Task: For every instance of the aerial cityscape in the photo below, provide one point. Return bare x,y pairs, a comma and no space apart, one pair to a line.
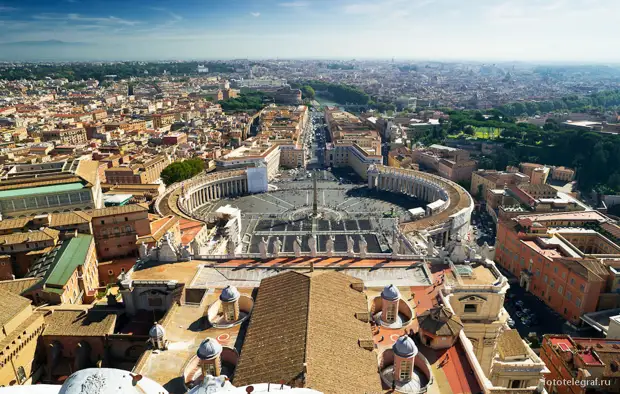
217,199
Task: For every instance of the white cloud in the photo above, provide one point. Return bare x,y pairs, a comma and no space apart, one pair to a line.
110,20
4,8
255,14
294,4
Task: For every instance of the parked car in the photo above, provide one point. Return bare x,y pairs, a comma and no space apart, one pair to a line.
511,323
520,314
519,303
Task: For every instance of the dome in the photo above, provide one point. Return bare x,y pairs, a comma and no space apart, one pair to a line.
109,381
208,349
390,293
157,331
229,294
405,347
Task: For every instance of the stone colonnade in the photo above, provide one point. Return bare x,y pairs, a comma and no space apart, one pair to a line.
424,189
215,190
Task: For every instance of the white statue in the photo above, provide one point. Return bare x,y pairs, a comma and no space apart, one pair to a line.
143,251
297,246
471,252
195,247
330,246
430,247
350,246
395,247
363,247
312,245
277,247
230,248
262,247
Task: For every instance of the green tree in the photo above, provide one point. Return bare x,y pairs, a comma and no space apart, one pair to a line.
182,170
307,92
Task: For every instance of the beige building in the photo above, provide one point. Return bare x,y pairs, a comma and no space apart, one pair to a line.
21,329
475,292
484,180
562,174
140,171
73,136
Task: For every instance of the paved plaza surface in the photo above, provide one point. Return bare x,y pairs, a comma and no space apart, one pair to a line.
346,209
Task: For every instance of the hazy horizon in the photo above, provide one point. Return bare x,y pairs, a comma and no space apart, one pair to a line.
529,31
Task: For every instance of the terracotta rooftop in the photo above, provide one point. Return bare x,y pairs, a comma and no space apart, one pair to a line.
309,319
109,211
79,323
11,305
440,321
18,286
33,236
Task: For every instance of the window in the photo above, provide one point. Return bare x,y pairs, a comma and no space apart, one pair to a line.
560,289
515,384
563,275
555,270
470,308
552,283
537,272
578,302
545,279
404,370
582,288
103,222
126,219
572,281
569,295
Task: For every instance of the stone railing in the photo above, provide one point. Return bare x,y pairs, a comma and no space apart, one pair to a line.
257,256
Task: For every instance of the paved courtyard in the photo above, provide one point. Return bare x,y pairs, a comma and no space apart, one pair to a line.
346,210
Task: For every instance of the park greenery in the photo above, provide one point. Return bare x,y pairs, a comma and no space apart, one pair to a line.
182,170
340,93
99,71
595,156
604,100
307,92
245,102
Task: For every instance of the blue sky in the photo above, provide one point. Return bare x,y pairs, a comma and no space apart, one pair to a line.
529,30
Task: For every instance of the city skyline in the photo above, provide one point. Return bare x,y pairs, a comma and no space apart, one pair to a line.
488,30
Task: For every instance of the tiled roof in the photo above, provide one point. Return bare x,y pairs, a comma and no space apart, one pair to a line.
18,286
109,211
13,224
32,236
510,344
69,218
299,319
10,305
79,323
274,348
440,321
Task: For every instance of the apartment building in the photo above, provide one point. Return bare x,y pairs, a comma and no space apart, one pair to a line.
116,230
69,136
68,273
581,365
146,170
484,180
562,258
451,163
161,120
